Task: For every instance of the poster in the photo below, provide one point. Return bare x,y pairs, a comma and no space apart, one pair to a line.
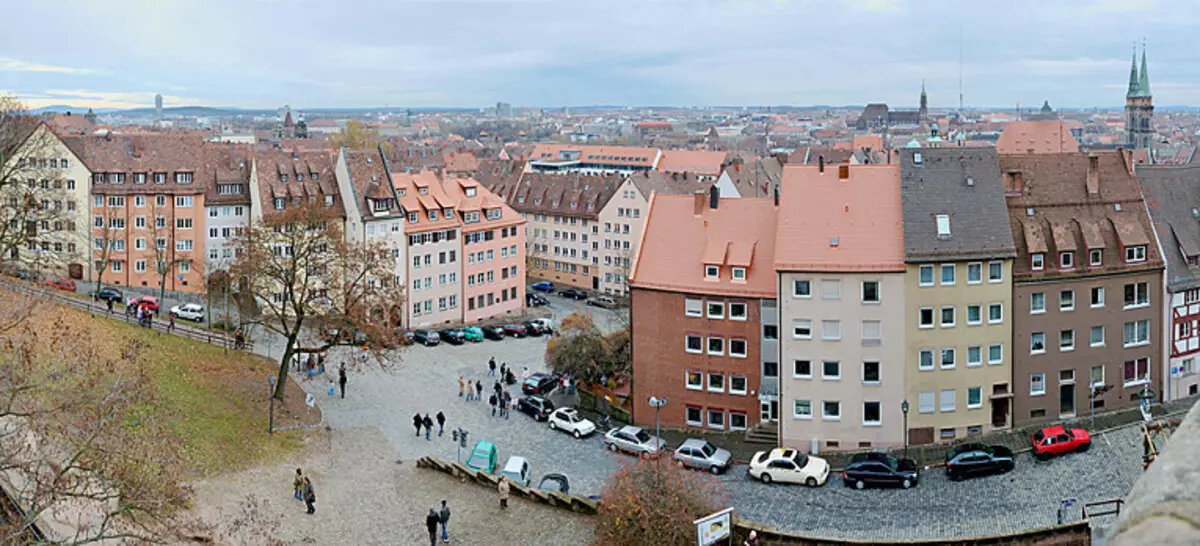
715,528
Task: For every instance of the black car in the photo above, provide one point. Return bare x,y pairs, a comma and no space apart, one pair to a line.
879,469
538,383
536,300
109,294
533,329
535,406
555,483
573,293
493,332
971,460
453,336
427,338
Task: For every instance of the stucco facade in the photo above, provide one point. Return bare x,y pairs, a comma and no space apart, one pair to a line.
560,249
494,267
615,238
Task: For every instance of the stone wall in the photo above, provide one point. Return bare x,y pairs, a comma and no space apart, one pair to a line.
491,481
1071,534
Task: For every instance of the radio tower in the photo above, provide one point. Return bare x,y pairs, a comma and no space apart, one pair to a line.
960,71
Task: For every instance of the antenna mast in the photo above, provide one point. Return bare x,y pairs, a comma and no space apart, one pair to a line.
960,70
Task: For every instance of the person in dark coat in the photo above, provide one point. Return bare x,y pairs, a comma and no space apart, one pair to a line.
492,402
431,524
428,426
503,369
342,379
417,422
441,421
492,366
444,515
310,497
478,390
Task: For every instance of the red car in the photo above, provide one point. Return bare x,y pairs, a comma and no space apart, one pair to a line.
149,302
1057,440
62,283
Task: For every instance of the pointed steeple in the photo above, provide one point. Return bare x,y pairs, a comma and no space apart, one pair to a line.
922,88
1144,80
1133,76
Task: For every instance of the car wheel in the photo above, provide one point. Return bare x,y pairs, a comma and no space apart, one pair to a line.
858,484
811,482
906,484
766,478
680,463
714,469
553,426
612,448
1043,457
643,455
577,435
1085,447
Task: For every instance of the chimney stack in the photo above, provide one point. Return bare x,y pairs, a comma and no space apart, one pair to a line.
136,142
714,197
698,203
776,195
843,172
1093,176
821,164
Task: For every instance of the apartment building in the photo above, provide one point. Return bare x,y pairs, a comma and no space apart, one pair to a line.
615,236
281,180
958,293
148,207
373,215
493,246
839,257
705,165
1087,296
226,204
50,200
592,160
698,285
433,248
1173,198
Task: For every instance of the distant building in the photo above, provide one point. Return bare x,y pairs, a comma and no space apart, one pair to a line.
158,105
877,115
503,109
1036,137
1139,107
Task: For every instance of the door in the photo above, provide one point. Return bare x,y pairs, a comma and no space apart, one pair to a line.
1000,412
1066,399
769,411
595,283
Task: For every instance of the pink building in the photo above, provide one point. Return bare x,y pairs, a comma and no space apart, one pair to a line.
493,248
433,250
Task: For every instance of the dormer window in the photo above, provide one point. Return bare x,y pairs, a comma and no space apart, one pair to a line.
1134,254
400,192
279,203
943,226
1037,261
329,200
282,177
433,215
139,178
918,158
183,178
1066,260
712,272
412,217
493,214
739,273
313,176
1096,256
423,191
537,200
299,177
382,205
447,212
470,192
160,178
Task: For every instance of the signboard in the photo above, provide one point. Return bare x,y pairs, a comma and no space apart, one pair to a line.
310,400
714,528
1067,503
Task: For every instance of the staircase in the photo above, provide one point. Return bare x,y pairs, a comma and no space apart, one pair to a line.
765,432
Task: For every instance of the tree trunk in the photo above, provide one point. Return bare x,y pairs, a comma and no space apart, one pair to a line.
283,370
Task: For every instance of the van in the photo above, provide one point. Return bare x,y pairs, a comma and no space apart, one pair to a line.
517,470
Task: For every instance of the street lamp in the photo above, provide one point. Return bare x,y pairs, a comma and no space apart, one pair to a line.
657,404
904,410
271,411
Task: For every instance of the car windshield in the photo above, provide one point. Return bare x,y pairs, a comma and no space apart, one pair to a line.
891,462
801,460
643,436
708,449
573,417
1037,436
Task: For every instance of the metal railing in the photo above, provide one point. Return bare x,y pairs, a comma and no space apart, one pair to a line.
1110,507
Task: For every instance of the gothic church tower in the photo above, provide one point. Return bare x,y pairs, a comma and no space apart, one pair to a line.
1139,107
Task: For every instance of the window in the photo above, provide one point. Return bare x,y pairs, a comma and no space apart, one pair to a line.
872,414
872,333
926,402
139,222
1066,300
183,223
712,272
139,244
802,369
1037,261
737,311
802,409
1066,340
831,289
737,421
716,418
1037,384
870,291
692,307
995,271
1137,371
995,313
802,289
831,330
185,266
1137,295
695,381
117,266
948,403
831,411
1137,332
1066,260
947,316
1135,253
802,329
770,331
926,278
1097,296
716,382
974,273
1096,339
943,225
975,398
693,343
948,358
947,274
692,416
926,317
1097,375
870,372
716,310
739,273
737,348
831,369
1037,343
183,201
925,361
1037,303
974,315
139,266
737,384
974,356
716,346
1096,256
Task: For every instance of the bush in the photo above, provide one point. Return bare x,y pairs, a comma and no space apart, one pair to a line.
654,502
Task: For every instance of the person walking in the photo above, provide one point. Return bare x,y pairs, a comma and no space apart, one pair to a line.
310,497
342,379
460,386
298,485
431,524
752,540
110,305
417,422
470,389
492,366
441,421
428,426
503,488
171,324
445,517
507,404
503,369
492,402
478,390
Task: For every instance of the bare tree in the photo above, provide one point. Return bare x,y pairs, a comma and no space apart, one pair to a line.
315,289
166,259
107,230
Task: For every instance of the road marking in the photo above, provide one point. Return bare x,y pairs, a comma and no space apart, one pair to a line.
1105,436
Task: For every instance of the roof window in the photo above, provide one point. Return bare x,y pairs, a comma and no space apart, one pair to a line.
943,226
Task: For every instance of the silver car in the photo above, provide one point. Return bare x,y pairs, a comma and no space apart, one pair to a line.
634,440
700,454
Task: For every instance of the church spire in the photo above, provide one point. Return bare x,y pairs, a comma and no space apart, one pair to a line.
1133,76
1144,80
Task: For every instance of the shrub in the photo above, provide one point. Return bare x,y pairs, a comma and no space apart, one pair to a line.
654,502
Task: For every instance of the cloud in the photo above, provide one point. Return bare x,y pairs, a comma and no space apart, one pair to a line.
16,65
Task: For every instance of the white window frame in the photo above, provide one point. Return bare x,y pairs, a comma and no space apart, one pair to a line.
1063,306
687,381
921,359
1037,261
796,410
802,323
978,361
708,377
1136,342
712,272
994,305
1066,260
689,337
1103,336
942,316
825,377
797,284
693,422
1135,254
1066,348
796,365
878,366
995,361
942,269
978,267
745,347
1091,295
708,309
743,316
927,402
932,315
878,292
1096,256
1033,391
978,313
948,395
739,273
1000,278
953,352
745,385
687,305
1137,289
708,346
1033,351
978,404
877,422
921,275
1034,310
826,416
708,415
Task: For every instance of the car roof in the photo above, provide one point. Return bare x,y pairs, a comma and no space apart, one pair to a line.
538,375
1054,430
515,463
631,429
873,456
532,397
568,410
484,444
693,442
963,448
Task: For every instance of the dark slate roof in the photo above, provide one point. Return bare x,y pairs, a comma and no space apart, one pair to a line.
939,185
1173,193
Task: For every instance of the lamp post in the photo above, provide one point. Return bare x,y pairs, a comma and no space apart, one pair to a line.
904,410
657,404
271,411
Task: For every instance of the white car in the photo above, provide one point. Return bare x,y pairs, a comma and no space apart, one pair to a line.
545,323
568,420
189,311
789,466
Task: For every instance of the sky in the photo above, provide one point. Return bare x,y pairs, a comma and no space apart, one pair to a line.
473,53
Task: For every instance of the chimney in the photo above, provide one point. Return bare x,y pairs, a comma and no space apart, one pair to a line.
714,197
843,172
1093,176
777,195
698,203
821,164
231,156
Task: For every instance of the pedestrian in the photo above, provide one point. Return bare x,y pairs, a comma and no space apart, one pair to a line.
342,379
431,523
752,540
492,366
492,402
470,389
428,426
298,485
441,421
478,390
507,404
496,387
310,497
445,516
417,422
141,320
503,367
171,324
460,386
503,487
110,306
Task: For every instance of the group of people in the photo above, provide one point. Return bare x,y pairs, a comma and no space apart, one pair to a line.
145,315
434,519
303,490
425,422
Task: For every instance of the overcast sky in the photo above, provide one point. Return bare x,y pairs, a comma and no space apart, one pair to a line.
362,53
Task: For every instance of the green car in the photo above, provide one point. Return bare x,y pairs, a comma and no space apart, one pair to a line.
483,457
473,333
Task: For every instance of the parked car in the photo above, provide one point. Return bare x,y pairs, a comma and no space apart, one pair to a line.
533,299
634,440
547,325
148,302
493,332
62,283
483,457
428,338
1056,440
543,286
789,466
514,330
473,333
603,301
570,421
533,328
972,460
702,455
452,336
573,293
408,337
879,469
189,311
27,275
555,483
539,384
109,293
535,406
517,470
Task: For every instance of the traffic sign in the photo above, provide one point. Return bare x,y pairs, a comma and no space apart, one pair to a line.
1067,503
